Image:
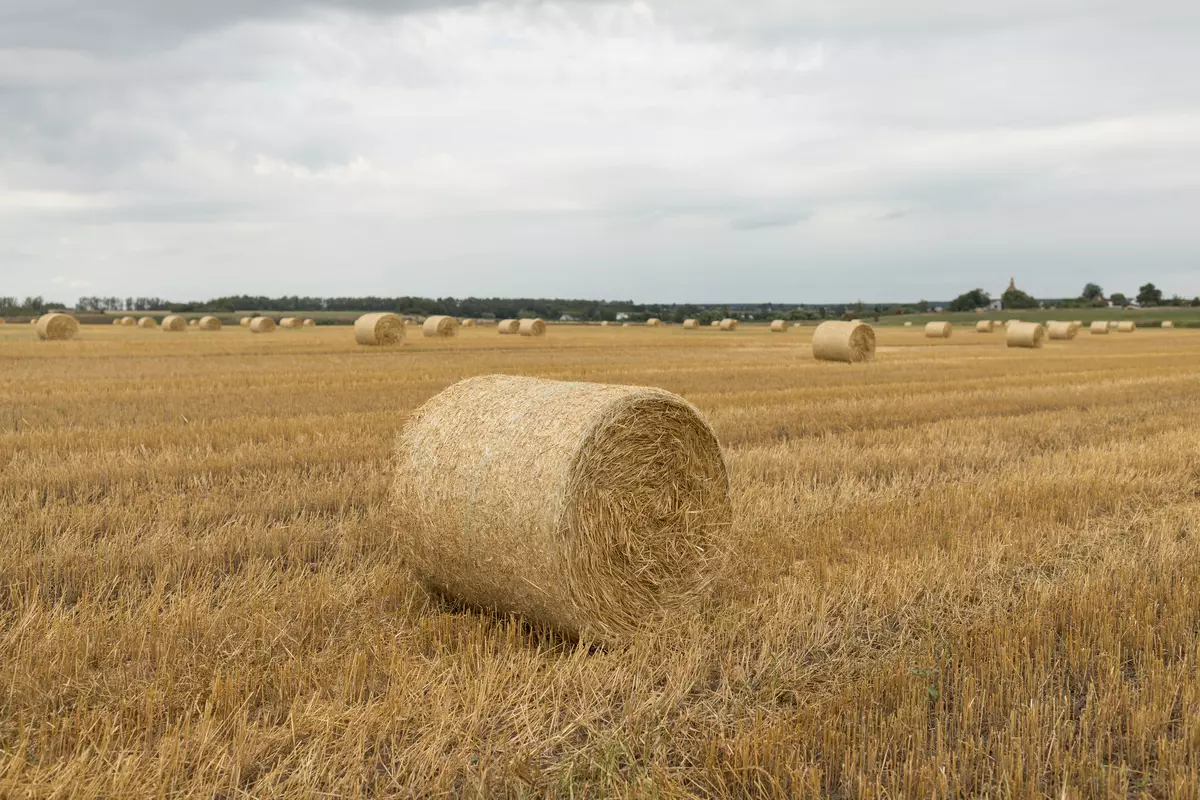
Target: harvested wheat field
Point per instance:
(961, 569)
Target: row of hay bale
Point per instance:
(385, 329)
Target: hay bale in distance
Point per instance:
(850, 342)
(1099, 328)
(1168, 324)
(1025, 334)
(289, 322)
(128, 322)
(1061, 330)
(654, 322)
(984, 326)
(691, 324)
(209, 324)
(729, 324)
(193, 323)
(779, 326)
(1126, 327)
(532, 327)
(245, 321)
(938, 330)
(440, 326)
(716, 323)
(908, 324)
(468, 323)
(116, 321)
(605, 324)
(147, 322)
(262, 325)
(55, 327)
(508, 326)
(379, 329)
(173, 323)
(588, 508)
(308, 322)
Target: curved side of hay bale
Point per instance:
(1061, 330)
(128, 322)
(209, 323)
(440, 326)
(654, 322)
(1126, 327)
(193, 323)
(288, 322)
(849, 342)
(691, 324)
(779, 326)
(588, 508)
(56, 327)
(1168, 324)
(1099, 328)
(308, 322)
(262, 325)
(116, 321)
(508, 326)
(1025, 334)
(468, 323)
(716, 323)
(984, 326)
(245, 321)
(532, 327)
(382, 329)
(173, 323)
(147, 322)
(938, 330)
(729, 324)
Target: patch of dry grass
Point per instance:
(961, 569)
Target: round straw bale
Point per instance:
(55, 327)
(116, 321)
(1025, 334)
(265, 325)
(289, 322)
(1008, 323)
(984, 326)
(908, 324)
(938, 330)
(308, 322)
(779, 326)
(128, 322)
(381, 328)
(1099, 328)
(532, 327)
(441, 326)
(654, 322)
(33, 321)
(147, 322)
(716, 323)
(209, 324)
(605, 324)
(468, 323)
(1127, 326)
(173, 323)
(588, 508)
(193, 323)
(729, 324)
(1061, 330)
(851, 342)
(245, 321)
(691, 324)
(509, 326)
(1168, 324)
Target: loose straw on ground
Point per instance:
(440, 326)
(851, 342)
(57, 327)
(381, 329)
(938, 330)
(1025, 334)
(592, 509)
(173, 323)
(532, 327)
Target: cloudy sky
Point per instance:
(684, 150)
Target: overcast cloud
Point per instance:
(676, 150)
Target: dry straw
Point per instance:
(1025, 334)
(605, 324)
(56, 327)
(245, 321)
(984, 326)
(128, 322)
(209, 324)
(173, 323)
(1008, 323)
(691, 324)
(532, 327)
(654, 322)
(1061, 330)
(381, 328)
(729, 324)
(509, 326)
(440, 326)
(588, 508)
(308, 322)
(289, 322)
(779, 326)
(1168, 324)
(193, 323)
(851, 342)
(908, 324)
(468, 323)
(263, 325)
(1126, 327)
(1099, 328)
(147, 322)
(116, 321)
(716, 323)
(938, 330)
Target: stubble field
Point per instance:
(960, 570)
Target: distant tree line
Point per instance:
(14, 307)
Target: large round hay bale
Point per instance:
(779, 326)
(1061, 330)
(938, 330)
(56, 327)
(1099, 328)
(654, 322)
(532, 327)
(984, 326)
(147, 322)
(440, 326)
(1126, 327)
(588, 508)
(1008, 323)
(1025, 334)
(379, 329)
(851, 342)
(508, 326)
(245, 321)
(128, 322)
(691, 324)
(729, 324)
(289, 322)
(209, 324)
(173, 323)
(1168, 324)
(262, 325)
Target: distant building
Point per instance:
(566, 318)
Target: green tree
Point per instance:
(923, 306)
(1119, 299)
(969, 301)
(1149, 295)
(1092, 291)
(1015, 298)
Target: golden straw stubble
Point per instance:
(589, 508)
(851, 342)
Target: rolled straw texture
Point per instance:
(245, 321)
(173, 323)
(779, 325)
(691, 324)
(116, 321)
(56, 327)
(468, 323)
(532, 327)
(1025, 334)
(147, 322)
(716, 323)
(379, 329)
(308, 322)
(193, 323)
(654, 322)
(289, 322)
(509, 326)
(588, 508)
(1126, 327)
(128, 322)
(1168, 324)
(850, 342)
(440, 326)
(262, 325)
(1099, 328)
(729, 324)
(938, 330)
(209, 324)
(984, 326)
(1061, 330)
